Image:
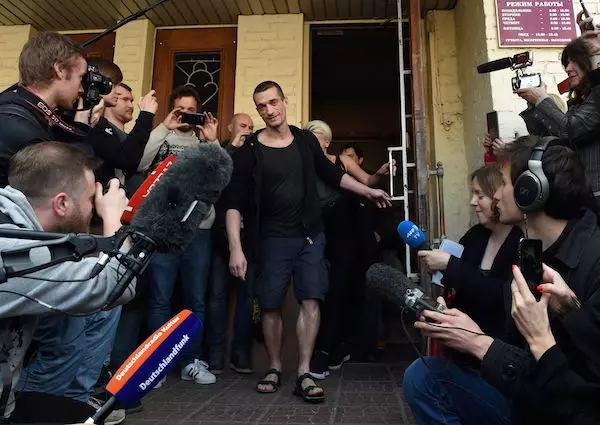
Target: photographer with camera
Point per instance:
(172, 136)
(52, 189)
(52, 73)
(579, 127)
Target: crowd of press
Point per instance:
(293, 213)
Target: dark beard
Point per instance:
(77, 223)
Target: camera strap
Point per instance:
(51, 116)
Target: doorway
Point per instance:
(355, 76)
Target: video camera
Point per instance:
(95, 85)
(517, 63)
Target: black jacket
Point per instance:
(124, 155)
(244, 191)
(563, 387)
(22, 125)
(479, 294)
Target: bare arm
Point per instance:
(237, 259)
(381, 198)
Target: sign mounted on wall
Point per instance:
(535, 23)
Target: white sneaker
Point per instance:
(160, 383)
(114, 418)
(198, 372)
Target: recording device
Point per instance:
(144, 190)
(414, 237)
(564, 86)
(398, 289)
(589, 26)
(149, 363)
(530, 263)
(95, 85)
(517, 63)
(166, 221)
(193, 118)
(492, 124)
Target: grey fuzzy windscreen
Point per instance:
(198, 174)
(388, 282)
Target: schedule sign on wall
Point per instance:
(535, 22)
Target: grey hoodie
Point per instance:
(18, 314)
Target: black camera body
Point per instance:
(95, 85)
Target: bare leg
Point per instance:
(307, 328)
(272, 324)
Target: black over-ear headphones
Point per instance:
(531, 189)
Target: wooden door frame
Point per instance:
(172, 41)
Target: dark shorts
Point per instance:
(282, 259)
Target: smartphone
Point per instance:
(563, 86)
(492, 124)
(590, 25)
(530, 263)
(193, 118)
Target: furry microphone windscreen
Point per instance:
(182, 199)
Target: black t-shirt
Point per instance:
(282, 193)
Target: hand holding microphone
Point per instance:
(435, 260)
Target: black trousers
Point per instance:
(40, 408)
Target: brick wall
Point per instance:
(12, 40)
(447, 117)
(546, 60)
(134, 53)
(269, 48)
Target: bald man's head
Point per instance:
(240, 124)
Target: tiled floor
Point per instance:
(361, 393)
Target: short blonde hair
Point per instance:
(559, 102)
(321, 127)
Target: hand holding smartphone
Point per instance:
(530, 264)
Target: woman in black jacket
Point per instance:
(490, 249)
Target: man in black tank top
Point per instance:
(274, 187)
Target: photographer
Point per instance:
(51, 69)
(580, 125)
(52, 189)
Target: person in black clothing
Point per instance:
(273, 186)
(120, 152)
(51, 69)
(542, 385)
(490, 250)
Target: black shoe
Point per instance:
(215, 365)
(241, 363)
(137, 407)
(319, 365)
(106, 375)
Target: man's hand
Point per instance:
(239, 139)
(533, 94)
(435, 260)
(208, 131)
(83, 116)
(531, 316)
(149, 103)
(173, 120)
(561, 298)
(110, 205)
(238, 264)
(456, 330)
(378, 196)
(384, 170)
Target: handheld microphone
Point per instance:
(395, 287)
(149, 363)
(495, 65)
(171, 213)
(144, 190)
(413, 236)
